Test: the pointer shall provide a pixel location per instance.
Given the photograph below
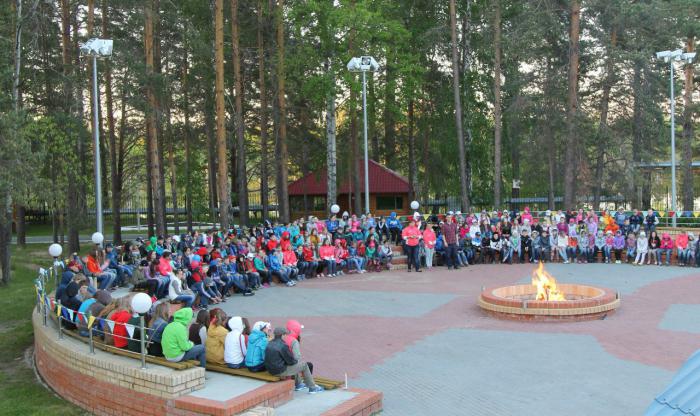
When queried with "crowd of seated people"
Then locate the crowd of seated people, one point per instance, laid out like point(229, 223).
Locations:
point(575, 236)
point(186, 274)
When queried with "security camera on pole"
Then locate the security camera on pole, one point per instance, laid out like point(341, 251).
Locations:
point(671, 57)
point(364, 64)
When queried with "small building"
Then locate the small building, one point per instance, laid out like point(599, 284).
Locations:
point(388, 192)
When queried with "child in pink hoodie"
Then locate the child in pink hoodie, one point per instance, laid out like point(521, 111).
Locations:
point(666, 248)
point(682, 247)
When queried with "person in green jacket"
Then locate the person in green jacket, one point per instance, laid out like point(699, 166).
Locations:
point(175, 341)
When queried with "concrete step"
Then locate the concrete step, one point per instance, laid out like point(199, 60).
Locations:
point(225, 394)
point(337, 402)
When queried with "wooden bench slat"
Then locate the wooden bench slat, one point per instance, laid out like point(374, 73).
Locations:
point(182, 365)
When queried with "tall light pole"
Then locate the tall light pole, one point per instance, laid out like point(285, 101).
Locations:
point(95, 48)
point(364, 64)
point(671, 57)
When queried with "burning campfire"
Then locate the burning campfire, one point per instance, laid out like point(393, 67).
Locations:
point(546, 285)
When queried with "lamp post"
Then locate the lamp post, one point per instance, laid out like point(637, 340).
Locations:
point(95, 48)
point(364, 64)
point(55, 251)
point(670, 57)
point(140, 304)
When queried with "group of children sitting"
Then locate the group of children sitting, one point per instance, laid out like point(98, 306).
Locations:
point(212, 266)
point(185, 274)
point(571, 237)
point(170, 333)
point(200, 269)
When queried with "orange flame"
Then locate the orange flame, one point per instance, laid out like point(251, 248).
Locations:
point(546, 285)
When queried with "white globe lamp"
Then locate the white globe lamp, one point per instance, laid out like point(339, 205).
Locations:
point(55, 250)
point(141, 303)
point(335, 209)
point(415, 205)
point(98, 238)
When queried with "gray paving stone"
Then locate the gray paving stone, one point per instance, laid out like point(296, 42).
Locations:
point(478, 372)
point(624, 278)
point(298, 301)
point(682, 318)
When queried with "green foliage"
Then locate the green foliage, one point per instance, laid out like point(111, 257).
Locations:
point(19, 158)
point(54, 137)
point(411, 41)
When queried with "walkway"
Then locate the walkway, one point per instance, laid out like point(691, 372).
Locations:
point(421, 339)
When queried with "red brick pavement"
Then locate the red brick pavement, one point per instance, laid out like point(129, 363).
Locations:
point(353, 344)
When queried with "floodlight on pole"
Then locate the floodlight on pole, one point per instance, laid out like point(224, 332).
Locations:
point(97, 48)
point(364, 64)
point(671, 57)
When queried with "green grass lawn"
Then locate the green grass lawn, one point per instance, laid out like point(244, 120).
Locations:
point(20, 392)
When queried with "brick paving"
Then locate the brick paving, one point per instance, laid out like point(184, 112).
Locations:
point(421, 339)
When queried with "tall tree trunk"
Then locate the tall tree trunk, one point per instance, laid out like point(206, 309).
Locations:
point(572, 108)
point(389, 114)
point(72, 201)
point(209, 128)
point(17, 56)
point(688, 133)
point(412, 165)
point(425, 155)
point(637, 115)
point(152, 122)
point(331, 156)
point(188, 140)
point(464, 195)
point(498, 124)
point(282, 191)
point(224, 195)
point(548, 120)
point(16, 98)
point(5, 195)
point(114, 154)
point(5, 236)
point(150, 215)
point(159, 99)
point(603, 135)
point(239, 118)
point(171, 164)
point(354, 160)
point(262, 85)
point(466, 61)
point(84, 144)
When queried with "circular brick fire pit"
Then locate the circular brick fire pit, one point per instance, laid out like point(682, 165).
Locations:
point(544, 300)
point(518, 303)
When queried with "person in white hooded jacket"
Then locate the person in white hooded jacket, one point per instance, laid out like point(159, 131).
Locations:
point(235, 345)
point(642, 248)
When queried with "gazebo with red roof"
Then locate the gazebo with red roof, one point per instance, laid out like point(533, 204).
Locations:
point(388, 192)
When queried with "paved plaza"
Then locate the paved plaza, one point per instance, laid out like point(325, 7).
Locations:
point(421, 339)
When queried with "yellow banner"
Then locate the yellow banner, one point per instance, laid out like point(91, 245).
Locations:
point(696, 214)
point(662, 214)
point(91, 320)
point(58, 311)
